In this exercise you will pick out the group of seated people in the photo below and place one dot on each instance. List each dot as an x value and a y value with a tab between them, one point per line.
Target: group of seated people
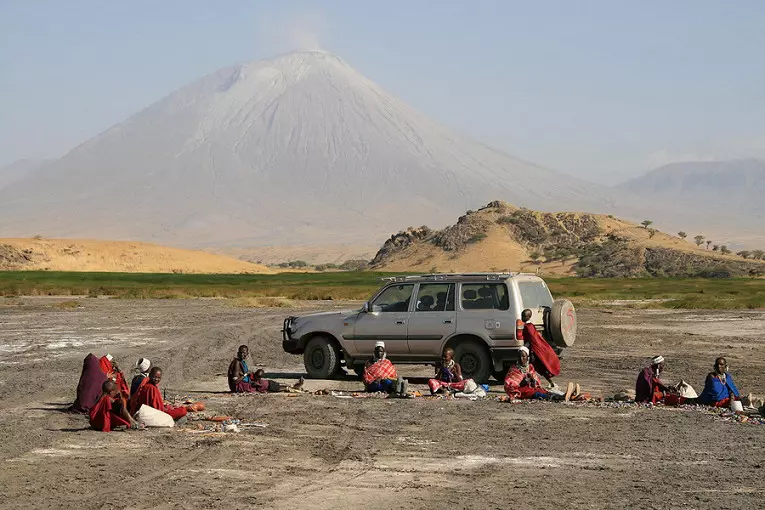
719	388
104	395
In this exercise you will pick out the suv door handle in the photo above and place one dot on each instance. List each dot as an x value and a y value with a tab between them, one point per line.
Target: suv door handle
400	322
448	321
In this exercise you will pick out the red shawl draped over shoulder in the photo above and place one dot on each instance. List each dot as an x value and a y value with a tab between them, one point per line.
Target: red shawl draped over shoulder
102	416
546	362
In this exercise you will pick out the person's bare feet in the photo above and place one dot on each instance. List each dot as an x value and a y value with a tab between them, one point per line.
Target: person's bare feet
569	392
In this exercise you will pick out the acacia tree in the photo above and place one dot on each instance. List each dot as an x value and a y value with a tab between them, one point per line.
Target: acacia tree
651	232
758	254
682	235
724	249
744	254
708	243
698	240
715	247
646	223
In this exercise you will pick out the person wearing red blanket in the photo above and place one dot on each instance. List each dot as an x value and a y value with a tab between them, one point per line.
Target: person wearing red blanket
113	372
110	411
149	394
545	361
522	382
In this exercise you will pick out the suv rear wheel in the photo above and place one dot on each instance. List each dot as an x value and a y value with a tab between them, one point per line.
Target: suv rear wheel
321	358
474	360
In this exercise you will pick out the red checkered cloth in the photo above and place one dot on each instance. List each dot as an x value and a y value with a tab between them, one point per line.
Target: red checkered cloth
519	385
382	369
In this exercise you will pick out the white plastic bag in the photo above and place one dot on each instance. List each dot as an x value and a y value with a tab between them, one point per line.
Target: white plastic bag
153	417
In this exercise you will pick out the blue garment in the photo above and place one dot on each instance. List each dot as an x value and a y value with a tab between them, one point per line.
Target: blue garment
385	385
715	390
136	382
246	371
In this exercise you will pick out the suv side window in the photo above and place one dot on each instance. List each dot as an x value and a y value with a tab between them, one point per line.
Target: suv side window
534	295
394	299
435	297
484	296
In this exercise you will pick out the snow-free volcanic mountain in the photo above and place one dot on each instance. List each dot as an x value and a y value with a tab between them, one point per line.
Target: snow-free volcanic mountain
301	149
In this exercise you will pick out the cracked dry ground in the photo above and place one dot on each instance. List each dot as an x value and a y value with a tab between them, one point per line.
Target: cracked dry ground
325	452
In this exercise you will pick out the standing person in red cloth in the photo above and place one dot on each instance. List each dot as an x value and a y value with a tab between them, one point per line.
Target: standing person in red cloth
110	411
149	394
545	360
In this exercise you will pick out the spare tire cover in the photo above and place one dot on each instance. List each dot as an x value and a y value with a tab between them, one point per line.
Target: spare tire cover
563	323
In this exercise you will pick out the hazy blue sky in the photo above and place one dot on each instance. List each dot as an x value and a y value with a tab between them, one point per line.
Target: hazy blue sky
599	89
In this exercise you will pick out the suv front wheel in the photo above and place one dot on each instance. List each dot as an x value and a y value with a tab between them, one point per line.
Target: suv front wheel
475	361
321	358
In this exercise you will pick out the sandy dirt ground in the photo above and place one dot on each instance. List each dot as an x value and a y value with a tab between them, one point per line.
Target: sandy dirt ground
327	452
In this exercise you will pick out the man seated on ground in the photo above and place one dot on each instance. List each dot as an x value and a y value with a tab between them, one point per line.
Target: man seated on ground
649	387
149	395
522	382
239	375
719	388
142	366
380	374
545	361
110	411
448	374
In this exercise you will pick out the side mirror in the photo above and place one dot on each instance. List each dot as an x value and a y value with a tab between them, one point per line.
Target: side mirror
367	307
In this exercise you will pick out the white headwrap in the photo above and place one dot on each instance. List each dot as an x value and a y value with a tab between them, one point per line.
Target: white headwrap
143	365
109	356
525	349
380	344
656	360
385	354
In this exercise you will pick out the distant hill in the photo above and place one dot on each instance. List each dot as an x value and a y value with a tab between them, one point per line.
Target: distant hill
114	256
502	237
722	187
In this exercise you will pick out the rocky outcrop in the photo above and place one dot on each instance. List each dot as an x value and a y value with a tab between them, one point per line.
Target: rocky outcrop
399	241
12	258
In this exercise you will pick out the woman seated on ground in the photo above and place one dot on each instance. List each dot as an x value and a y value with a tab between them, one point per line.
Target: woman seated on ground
719	388
448	375
522	382
380	374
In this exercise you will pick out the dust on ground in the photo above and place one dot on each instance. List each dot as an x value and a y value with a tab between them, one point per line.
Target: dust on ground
325	452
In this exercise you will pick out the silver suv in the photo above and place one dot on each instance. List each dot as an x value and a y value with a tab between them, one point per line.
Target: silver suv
477	314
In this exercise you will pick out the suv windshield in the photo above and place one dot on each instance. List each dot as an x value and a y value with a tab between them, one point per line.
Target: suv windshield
534	294
394	299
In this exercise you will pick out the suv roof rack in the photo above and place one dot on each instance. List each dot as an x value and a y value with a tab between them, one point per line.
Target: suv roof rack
451	276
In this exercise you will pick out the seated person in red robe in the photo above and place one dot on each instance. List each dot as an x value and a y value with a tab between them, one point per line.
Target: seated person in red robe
110	411
544	359
149	394
113	372
89	388
380	374
448	374
522	382
649	387
239	375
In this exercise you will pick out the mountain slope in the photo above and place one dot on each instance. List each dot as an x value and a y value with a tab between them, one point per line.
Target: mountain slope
18	170
502	237
300	149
